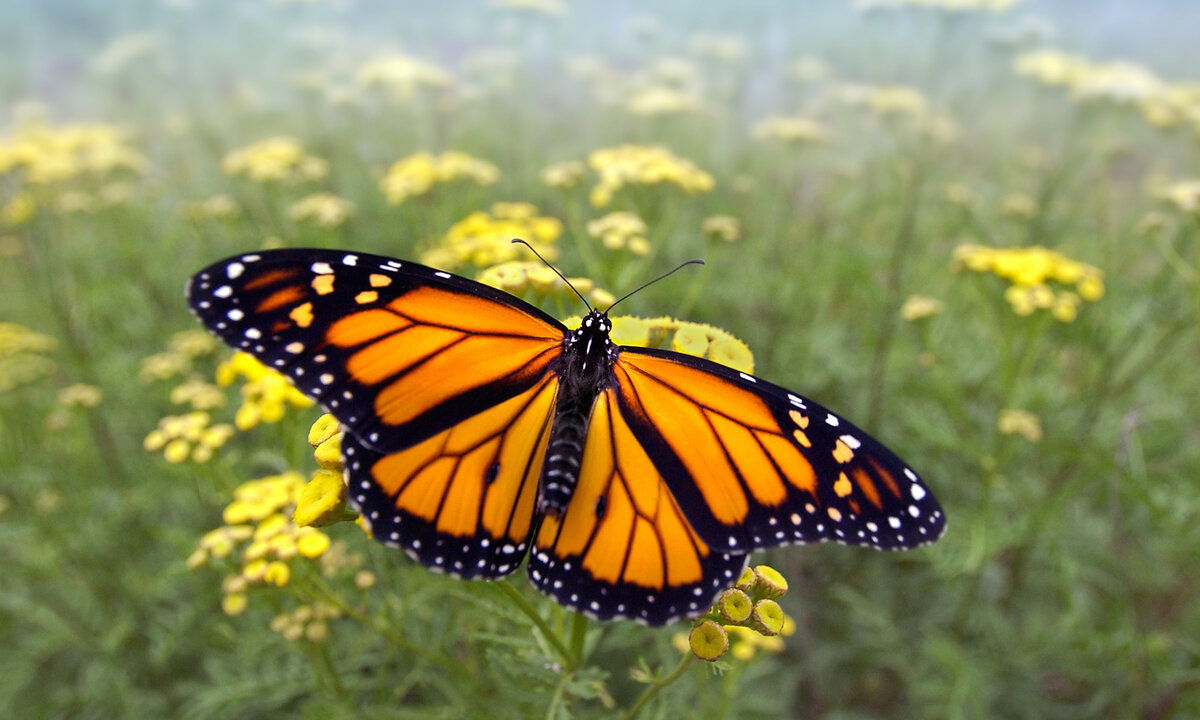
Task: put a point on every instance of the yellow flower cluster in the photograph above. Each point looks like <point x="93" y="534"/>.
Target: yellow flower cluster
<point x="217" y="207"/>
<point x="1162" y="104"/>
<point x="188" y="437"/>
<point x="1020" y="422"/>
<point x="638" y="164"/>
<point x="198" y="394"/>
<point x="748" y="613"/>
<point x="182" y="349"/>
<point x="564" y="175"/>
<point x="23" y="355"/>
<point x="323" y="500"/>
<point x="276" y="159"/>
<point x="258" y="524"/>
<point x="54" y="154"/>
<point x="900" y="101"/>
<point x="621" y="230"/>
<point x="692" y="338"/>
<point x="110" y="195"/>
<point x="656" y="100"/>
<point x="323" y="209"/>
<point x="721" y="227"/>
<point x="307" y="622"/>
<point x="402" y="76"/>
<point x="518" y="277"/>
<point x="483" y="239"/>
<point x="996" y="6"/>
<point x="266" y="395"/>
<point x="1184" y="195"/>
<point x="791" y="129"/>
<point x="1030" y="270"/>
<point x="417" y="174"/>
<point x="80" y="395"/>
<point x="920" y="307"/>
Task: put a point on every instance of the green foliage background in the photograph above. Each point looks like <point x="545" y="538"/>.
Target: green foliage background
<point x="1066" y="585"/>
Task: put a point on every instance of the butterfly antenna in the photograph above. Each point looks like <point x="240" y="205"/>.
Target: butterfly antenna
<point x="682" y="265"/>
<point x="556" y="272"/>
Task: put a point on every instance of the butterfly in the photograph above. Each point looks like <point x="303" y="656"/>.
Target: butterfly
<point x="481" y="430"/>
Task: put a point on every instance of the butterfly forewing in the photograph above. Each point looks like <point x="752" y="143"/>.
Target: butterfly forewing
<point x="623" y="547"/>
<point x="755" y="466"/>
<point x="397" y="351"/>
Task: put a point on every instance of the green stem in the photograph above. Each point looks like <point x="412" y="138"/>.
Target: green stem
<point x="506" y="588"/>
<point x="653" y="689"/>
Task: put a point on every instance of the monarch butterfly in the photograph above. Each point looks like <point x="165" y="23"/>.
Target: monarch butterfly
<point x="479" y="426"/>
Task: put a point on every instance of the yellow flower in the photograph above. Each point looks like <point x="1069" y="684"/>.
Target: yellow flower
<point x="620" y="230"/>
<point x="266" y="393"/>
<point x="80" y="395"/>
<point x="322" y="501"/>
<point x="1019" y="206"/>
<point x="217" y="207"/>
<point x="19" y="210"/>
<point x="920" y="307"/>
<point x="636" y="164"/>
<point x="661" y="100"/>
<point x="55" y="154"/>
<point x="721" y="227"/>
<point x="1020" y="422"/>
<point x="234" y="604"/>
<point x="417" y="174"/>
<point x="276" y="159"/>
<point x="1184" y="195"/>
<point x="708" y="640"/>
<point x="564" y="175"/>
<point x="312" y="544"/>
<point x="1031" y="270"/>
<point x="794" y="130"/>
<point x="402" y="76"/>
<point x="324" y="209"/>
<point x="486" y="239"/>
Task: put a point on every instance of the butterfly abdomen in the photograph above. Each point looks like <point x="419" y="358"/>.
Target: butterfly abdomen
<point x="584" y="370"/>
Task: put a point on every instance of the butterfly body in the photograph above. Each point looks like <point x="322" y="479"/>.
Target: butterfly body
<point x="481" y="431"/>
<point x="584" y="370"/>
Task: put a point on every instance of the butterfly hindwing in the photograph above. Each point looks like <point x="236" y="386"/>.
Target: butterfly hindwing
<point x="461" y="501"/>
<point x="397" y="351"/>
<point x="623" y="547"/>
<point x="756" y="466"/>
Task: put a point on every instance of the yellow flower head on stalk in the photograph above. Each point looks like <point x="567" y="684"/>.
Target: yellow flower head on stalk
<point x="620" y="231"/>
<point x="276" y="159"/>
<point x="793" y="130"/>
<point x="80" y="395"/>
<point x="637" y="164"/>
<point x="657" y="100"/>
<point x="24" y="355"/>
<point x="564" y="175"/>
<point x="726" y="228"/>
<point x="417" y="174"/>
<point x="745" y="619"/>
<point x="920" y="307"/>
<point x="19" y="209"/>
<point x="217" y="207"/>
<point x="322" y="209"/>
<point x="401" y="75"/>
<point x="260" y="538"/>
<point x="485" y="239"/>
<point x="191" y="436"/>
<point x="534" y="277"/>
<point x="198" y="394"/>
<point x="1039" y="278"/>
<point x="49" y="154"/>
<point x="1183" y="195"/>
<point x="266" y="394"/>
<point x="1020" y="422"/>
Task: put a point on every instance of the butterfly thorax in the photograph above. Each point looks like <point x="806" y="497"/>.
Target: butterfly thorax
<point x="584" y="371"/>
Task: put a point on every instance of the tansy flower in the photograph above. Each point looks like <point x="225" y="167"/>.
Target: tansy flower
<point x="266" y="394"/>
<point x="1034" y="273"/>
<point x="187" y="437"/>
<point x="402" y="76"/>
<point x="620" y="230"/>
<point x="276" y="159"/>
<point x="48" y="154"/>
<point x="80" y="395"/>
<point x="417" y="174"/>
<point x="745" y="619"/>
<point x="726" y="228"/>
<point x="323" y="209"/>
<point x="793" y="129"/>
<point x="485" y="239"/>
<point x="1020" y="422"/>
<point x="517" y="277"/>
<point x="920" y="307"/>
<point x="24" y="355"/>
<point x="658" y="100"/>
<point x="636" y="164"/>
<point x="564" y="175"/>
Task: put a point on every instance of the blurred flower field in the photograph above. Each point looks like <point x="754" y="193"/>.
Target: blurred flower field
<point x="972" y="227"/>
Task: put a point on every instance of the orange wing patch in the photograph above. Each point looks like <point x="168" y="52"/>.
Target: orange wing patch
<point x="731" y="444"/>
<point x="478" y="477"/>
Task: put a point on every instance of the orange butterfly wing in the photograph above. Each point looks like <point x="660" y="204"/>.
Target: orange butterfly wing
<point x="753" y="465"/>
<point x="446" y="387"/>
<point x="624" y="548"/>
